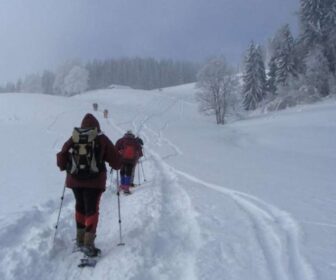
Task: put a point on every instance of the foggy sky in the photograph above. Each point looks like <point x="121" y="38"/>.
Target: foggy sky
<point x="41" y="34"/>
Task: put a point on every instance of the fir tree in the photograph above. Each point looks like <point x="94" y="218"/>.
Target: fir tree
<point x="317" y="72"/>
<point x="318" y="24"/>
<point x="254" y="78"/>
<point x="47" y="82"/>
<point x="285" y="56"/>
<point x="271" y="76"/>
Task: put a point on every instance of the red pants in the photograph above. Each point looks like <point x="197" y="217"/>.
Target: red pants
<point x="87" y="208"/>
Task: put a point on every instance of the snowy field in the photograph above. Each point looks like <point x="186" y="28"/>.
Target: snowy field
<point x="254" y="199"/>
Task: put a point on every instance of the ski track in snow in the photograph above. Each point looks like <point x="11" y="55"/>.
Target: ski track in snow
<point x="276" y="231"/>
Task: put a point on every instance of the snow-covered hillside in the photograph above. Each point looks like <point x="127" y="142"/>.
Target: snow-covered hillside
<point x="254" y="199"/>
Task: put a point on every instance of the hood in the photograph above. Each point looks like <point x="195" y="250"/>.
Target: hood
<point x="90" y="121"/>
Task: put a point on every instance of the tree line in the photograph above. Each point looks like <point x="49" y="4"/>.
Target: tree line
<point x="73" y="77"/>
<point x="288" y="71"/>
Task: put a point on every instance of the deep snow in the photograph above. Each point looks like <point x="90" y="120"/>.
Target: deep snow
<point x="254" y="199"/>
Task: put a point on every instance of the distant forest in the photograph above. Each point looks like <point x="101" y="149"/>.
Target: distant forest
<point x="140" y="73"/>
<point x="73" y="77"/>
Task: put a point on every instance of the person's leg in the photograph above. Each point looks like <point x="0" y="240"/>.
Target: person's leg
<point x="79" y="216"/>
<point x="91" y="201"/>
<point x="127" y="177"/>
<point x="132" y="176"/>
<point x="122" y="174"/>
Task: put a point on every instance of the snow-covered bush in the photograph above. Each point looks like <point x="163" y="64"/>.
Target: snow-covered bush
<point x="294" y="93"/>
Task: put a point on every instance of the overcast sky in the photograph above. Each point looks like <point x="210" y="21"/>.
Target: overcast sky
<point x="41" y="34"/>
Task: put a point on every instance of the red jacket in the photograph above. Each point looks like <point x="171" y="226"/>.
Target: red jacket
<point x="107" y="152"/>
<point x="129" y="139"/>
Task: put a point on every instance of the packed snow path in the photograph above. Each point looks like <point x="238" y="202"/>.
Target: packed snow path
<point x="185" y="221"/>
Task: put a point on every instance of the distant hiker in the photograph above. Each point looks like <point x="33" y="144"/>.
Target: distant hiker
<point x="95" y="106"/>
<point x="130" y="150"/>
<point x="83" y="156"/>
<point x="105" y="113"/>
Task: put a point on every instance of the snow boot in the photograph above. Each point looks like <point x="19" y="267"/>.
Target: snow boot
<point x="90" y="250"/>
<point x="125" y="189"/>
<point x="80" y="237"/>
<point x="126" y="186"/>
<point x="122" y="180"/>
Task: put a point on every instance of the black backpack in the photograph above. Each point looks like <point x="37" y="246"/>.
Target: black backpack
<point x="84" y="159"/>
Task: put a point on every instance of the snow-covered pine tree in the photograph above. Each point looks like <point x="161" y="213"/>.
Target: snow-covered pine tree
<point x="254" y="78"/>
<point x="318" y="24"/>
<point x="18" y="85"/>
<point x="285" y="56"/>
<point x="47" y="82"/>
<point x="317" y="72"/>
<point x="32" y="84"/>
<point x="10" y="87"/>
<point x="311" y="15"/>
<point x="271" y="77"/>
<point x="331" y="23"/>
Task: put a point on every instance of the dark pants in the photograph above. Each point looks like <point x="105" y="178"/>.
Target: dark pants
<point x="87" y="208"/>
<point x="126" y="172"/>
<point x="127" y="169"/>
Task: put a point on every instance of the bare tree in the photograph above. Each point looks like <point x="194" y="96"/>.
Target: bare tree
<point x="217" y="84"/>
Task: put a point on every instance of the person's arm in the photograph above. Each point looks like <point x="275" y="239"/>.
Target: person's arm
<point x="62" y="156"/>
<point x="111" y="155"/>
<point x="119" y="145"/>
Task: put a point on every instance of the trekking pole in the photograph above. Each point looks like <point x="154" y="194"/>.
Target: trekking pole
<point x="143" y="172"/>
<point x="59" y="214"/>
<point x="111" y="180"/>
<point x="119" y="215"/>
<point x="139" y="174"/>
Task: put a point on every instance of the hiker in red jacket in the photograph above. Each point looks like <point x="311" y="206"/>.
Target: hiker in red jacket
<point x="131" y="151"/>
<point x="87" y="182"/>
